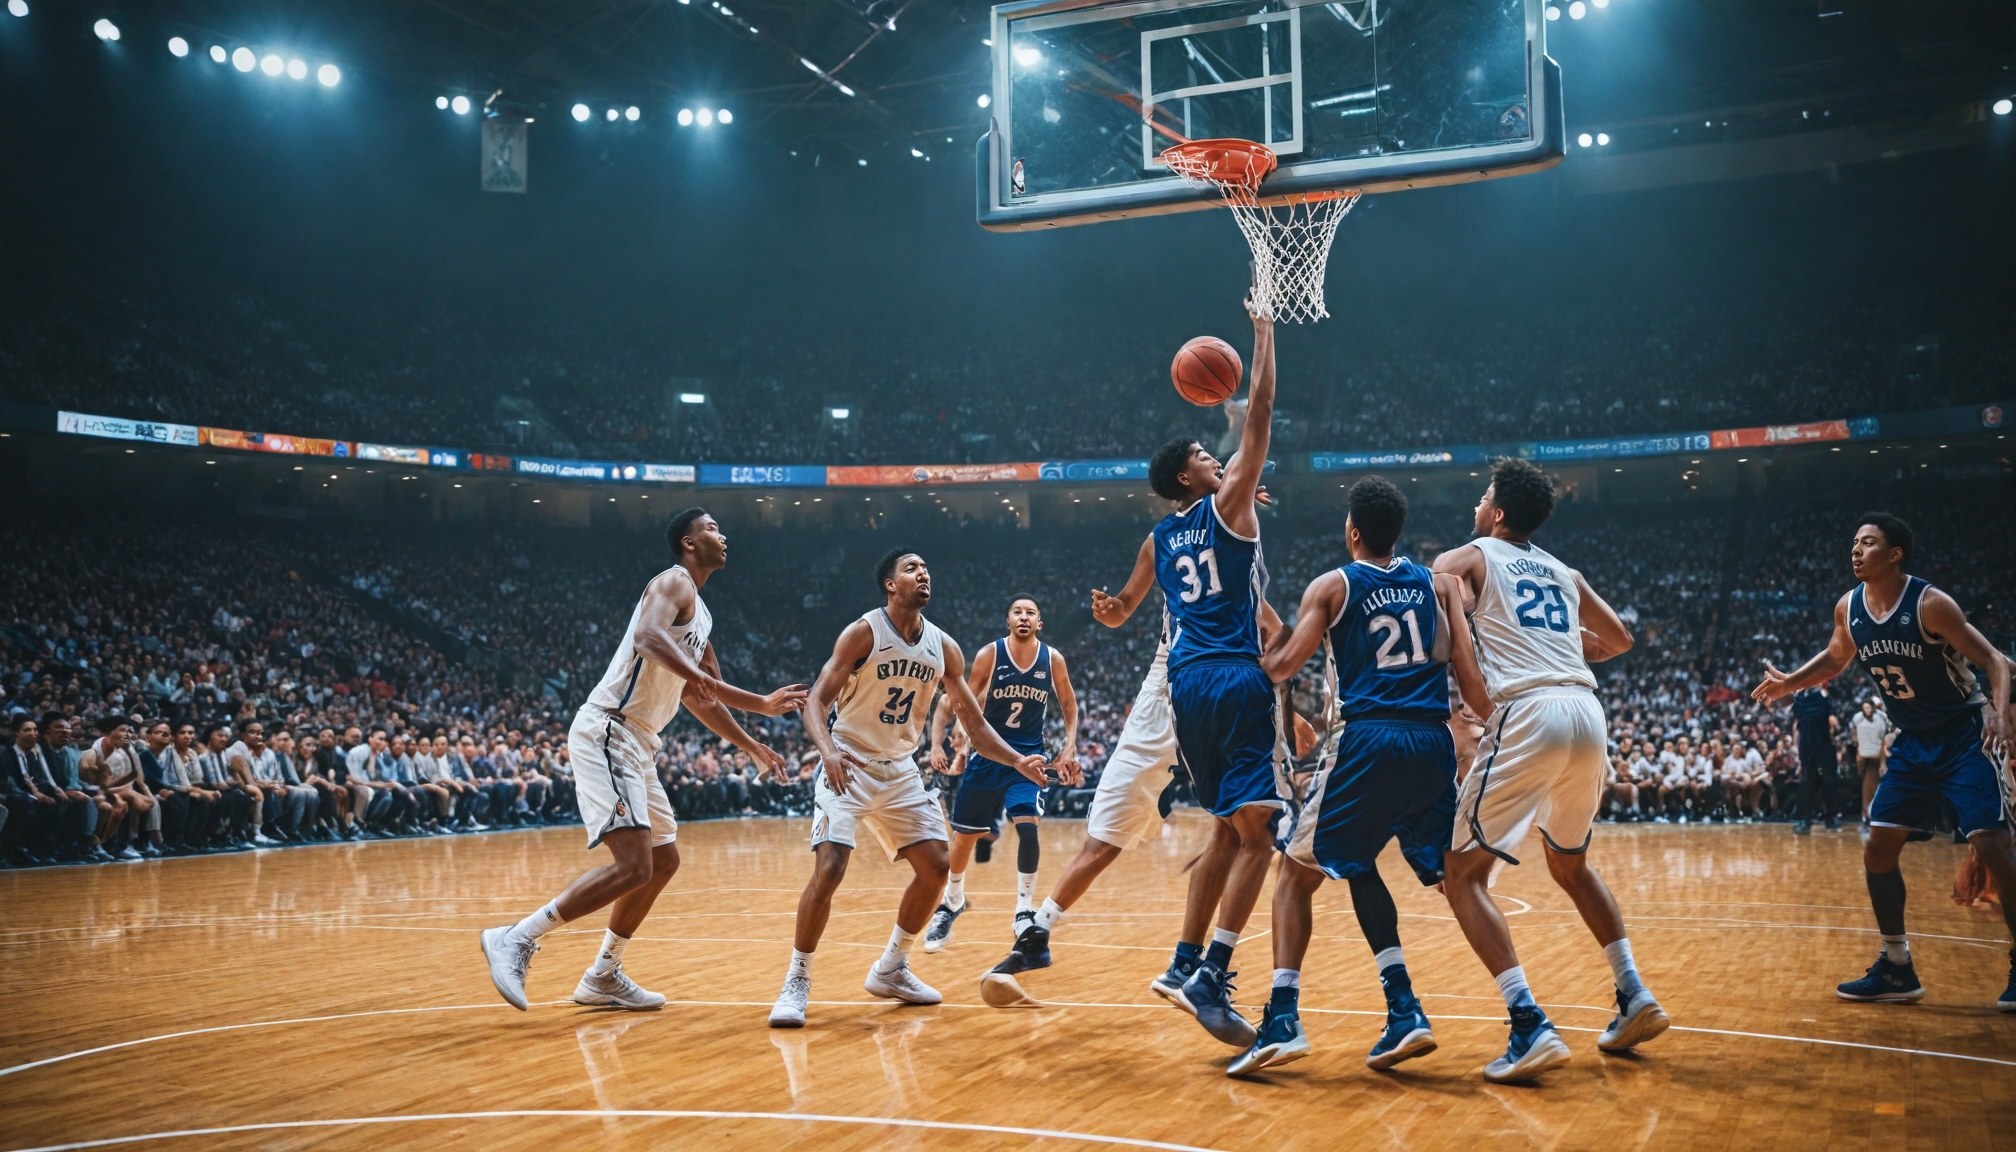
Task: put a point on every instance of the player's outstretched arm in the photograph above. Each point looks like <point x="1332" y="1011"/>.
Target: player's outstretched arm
<point x="1466" y="564"/>
<point x="1613" y="637"/>
<point x="720" y="721"/>
<point x="1838" y="654"/>
<point x="1068" y="768"/>
<point x="986" y="741"/>
<point x="1242" y="475"/>
<point x="855" y="645"/>
<point x="1454" y="644"/>
<point x="1291" y="648"/>
<point x="1940" y="615"/>
<point x="1113" y="611"/>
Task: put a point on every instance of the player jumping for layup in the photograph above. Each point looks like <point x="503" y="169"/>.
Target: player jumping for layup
<point x="1537" y="624"/>
<point x="877" y="686"/>
<point x="1384" y="623"/>
<point x="1915" y="642"/>
<point x="665" y="660"/>
<point x="1015" y="677"/>
<point x="1206" y="560"/>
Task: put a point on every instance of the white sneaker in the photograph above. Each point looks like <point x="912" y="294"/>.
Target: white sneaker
<point x="509" y="958"/>
<point x="263" y="840"/>
<point x="900" y="984"/>
<point x="616" y="990"/>
<point x="1639" y="1018"/>
<point x="789" y="1011"/>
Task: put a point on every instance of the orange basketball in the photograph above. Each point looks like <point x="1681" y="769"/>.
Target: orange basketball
<point x="1206" y="371"/>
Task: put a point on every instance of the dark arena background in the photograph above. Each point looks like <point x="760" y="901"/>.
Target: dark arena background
<point x="353" y="357"/>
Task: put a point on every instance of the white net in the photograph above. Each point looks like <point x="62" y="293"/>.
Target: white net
<point x="1290" y="242"/>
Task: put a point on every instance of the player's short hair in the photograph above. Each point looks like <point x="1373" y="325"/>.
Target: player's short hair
<point x="1167" y="464"/>
<point x="885" y="568"/>
<point x="679" y="524"/>
<point x="1896" y="533"/>
<point x="112" y="723"/>
<point x="1033" y="602"/>
<point x="1523" y="492"/>
<point x="213" y="729"/>
<point x="1378" y="511"/>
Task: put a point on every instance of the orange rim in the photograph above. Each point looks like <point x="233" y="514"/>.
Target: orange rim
<point x="1241" y="162"/>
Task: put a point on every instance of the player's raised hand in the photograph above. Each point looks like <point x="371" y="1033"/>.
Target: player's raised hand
<point x="789" y="698"/>
<point x="1262" y="322"/>
<point x="1069" y="770"/>
<point x="1773" y="688"/>
<point x="839" y="768"/>
<point x="1032" y="766"/>
<point x="1108" y="610"/>
<point x="772" y="762"/>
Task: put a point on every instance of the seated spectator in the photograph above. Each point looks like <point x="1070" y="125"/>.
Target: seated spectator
<point x="110" y="766"/>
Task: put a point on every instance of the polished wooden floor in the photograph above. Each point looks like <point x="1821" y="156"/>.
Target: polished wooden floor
<point x="334" y="997"/>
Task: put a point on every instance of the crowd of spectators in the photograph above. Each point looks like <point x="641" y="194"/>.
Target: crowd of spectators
<point x="987" y="392"/>
<point x="201" y="686"/>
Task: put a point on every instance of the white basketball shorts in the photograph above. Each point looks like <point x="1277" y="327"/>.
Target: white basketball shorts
<point x="1127" y="807"/>
<point x="1541" y="762"/>
<point x="889" y="799"/>
<point x="615" y="782"/>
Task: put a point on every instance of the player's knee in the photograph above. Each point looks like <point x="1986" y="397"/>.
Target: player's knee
<point x="664" y="860"/>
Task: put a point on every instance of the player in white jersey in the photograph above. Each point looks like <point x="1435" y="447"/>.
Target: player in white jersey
<point x="665" y="660"/>
<point x="1536" y="624"/>
<point x="866" y="717"/>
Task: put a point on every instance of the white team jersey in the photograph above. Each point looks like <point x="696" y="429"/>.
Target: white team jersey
<point x="1527" y="622"/>
<point x="881" y="711"/>
<point x="645" y="693"/>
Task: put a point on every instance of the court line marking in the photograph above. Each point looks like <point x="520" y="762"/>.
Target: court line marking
<point x="628" y="1113"/>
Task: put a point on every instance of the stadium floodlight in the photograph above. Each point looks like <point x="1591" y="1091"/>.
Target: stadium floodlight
<point x="581" y="112"/>
<point x="1577" y="10"/>
<point x="460" y="105"/>
<point x="1028" y="55"/>
<point x="243" y="60"/>
<point x="105" y="30"/>
<point x="297" y="69"/>
<point x="1585" y="140"/>
<point x="844" y="90"/>
<point x="177" y="46"/>
<point x="441" y="102"/>
<point x="705" y="116"/>
<point x="17" y="7"/>
<point x="841" y="413"/>
<point x="613" y="114"/>
<point x="631" y="113"/>
<point x="1553" y="12"/>
<point x="692" y="397"/>
<point x="863" y="161"/>
<point x="918" y="153"/>
<point x="724" y="116"/>
<point x="685" y="117"/>
<point x="272" y="65"/>
<point x="218" y="54"/>
<point x="1602" y="139"/>
<point x="2003" y="106"/>
<point x="984" y="100"/>
<point x="329" y="75"/>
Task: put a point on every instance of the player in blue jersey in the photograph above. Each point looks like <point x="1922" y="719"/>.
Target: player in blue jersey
<point x="1916" y="644"/>
<point x="1016" y="678"/>
<point x="1384" y="623"/>
<point x="1205" y="558"/>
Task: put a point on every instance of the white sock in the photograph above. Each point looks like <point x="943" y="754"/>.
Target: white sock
<point x="801" y="965"/>
<point x="1512" y="986"/>
<point x="610" y="957"/>
<point x="1387" y="957"/>
<point x="1225" y="936"/>
<point x="538" y="923"/>
<point x="898" y="951"/>
<point x="1025" y="891"/>
<point x="1287" y="978"/>
<point x="955" y="891"/>
<point x="1623" y="969"/>
<point x="1896" y="949"/>
<point x="1046" y="916"/>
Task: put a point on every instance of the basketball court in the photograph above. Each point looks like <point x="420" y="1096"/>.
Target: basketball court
<point x="334" y="997"/>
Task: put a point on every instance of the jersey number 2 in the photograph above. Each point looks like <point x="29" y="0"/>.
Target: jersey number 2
<point x="897" y="710"/>
<point x="1193" y="588"/>
<point x="1541" y="606"/>
<point x="1388" y="627"/>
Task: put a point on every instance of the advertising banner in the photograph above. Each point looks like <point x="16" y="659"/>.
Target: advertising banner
<point x="668" y="473"/>
<point x="489" y="462"/>
<point x="119" y="428"/>
<point x="570" y="469"/>
<point x="767" y="475"/>
<point x="1398" y="458"/>
<point x="504" y="165"/>
<point x="272" y="442"/>
<point x="1779" y="434"/>
<point x="888" y="475"/>
<point x="392" y="453"/>
<point x="1615" y="447"/>
<point x="1094" y="470"/>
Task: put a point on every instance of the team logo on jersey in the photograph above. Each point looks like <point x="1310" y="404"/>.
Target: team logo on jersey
<point x="1042" y="675"/>
<point x="1904" y="619"/>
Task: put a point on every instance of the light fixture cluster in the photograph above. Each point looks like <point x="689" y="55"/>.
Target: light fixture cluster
<point x="1575" y="10"/>
<point x="1596" y="140"/>
<point x="245" y="59"/>
<point x="704" y="117"/>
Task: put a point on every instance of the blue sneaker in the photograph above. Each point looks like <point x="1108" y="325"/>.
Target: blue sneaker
<point x="1884" y="983"/>
<point x="1169" y="985"/>
<point x="1208" y="995"/>
<point x="1534" y="1048"/>
<point x="1639" y="1018"/>
<point x="939" y="933"/>
<point x="1280" y="1041"/>
<point x="1407" y="1033"/>
<point x="999" y="987"/>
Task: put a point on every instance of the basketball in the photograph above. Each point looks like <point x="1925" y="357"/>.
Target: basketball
<point x="1206" y="371"/>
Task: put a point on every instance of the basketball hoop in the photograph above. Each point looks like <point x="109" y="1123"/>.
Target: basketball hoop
<point x="1290" y="235"/>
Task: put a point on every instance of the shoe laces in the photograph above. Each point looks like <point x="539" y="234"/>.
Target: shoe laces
<point x="797" y="988"/>
<point x="521" y="956"/>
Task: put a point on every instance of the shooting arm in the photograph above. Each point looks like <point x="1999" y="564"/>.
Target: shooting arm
<point x="1242" y="476"/>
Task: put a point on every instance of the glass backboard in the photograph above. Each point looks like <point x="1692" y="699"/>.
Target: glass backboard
<point x="1378" y="95"/>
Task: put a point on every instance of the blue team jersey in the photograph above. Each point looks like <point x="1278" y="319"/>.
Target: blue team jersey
<point x="1212" y="580"/>
<point x="1926" y="684"/>
<point x="1381" y="646"/>
<point x="1017" y="701"/>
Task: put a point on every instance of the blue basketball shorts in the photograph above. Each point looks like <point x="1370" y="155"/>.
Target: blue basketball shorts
<point x="985" y="789"/>
<point x="1225" y="733"/>
<point x="1392" y="779"/>
<point x="1942" y="764"/>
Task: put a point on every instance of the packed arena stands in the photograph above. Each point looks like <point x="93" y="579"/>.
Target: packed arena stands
<point x="982" y="394"/>
<point x="413" y="681"/>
